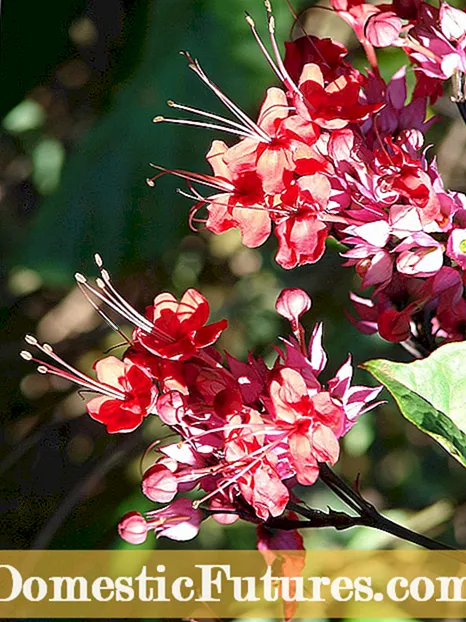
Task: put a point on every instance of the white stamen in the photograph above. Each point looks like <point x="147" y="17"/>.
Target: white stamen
<point x="263" y="49"/>
<point x="198" y="178"/>
<point x="288" y="80"/>
<point x="209" y="115"/>
<point x="76" y="376"/>
<point x="27" y="356"/>
<point x="242" y="116"/>
<point x="103" y="315"/>
<point x="212" y="126"/>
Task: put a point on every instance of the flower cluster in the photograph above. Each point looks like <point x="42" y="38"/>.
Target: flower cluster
<point x="337" y="152"/>
<point x="247" y="434"/>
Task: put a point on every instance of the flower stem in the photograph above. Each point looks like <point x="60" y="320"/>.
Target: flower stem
<point x="372" y="517"/>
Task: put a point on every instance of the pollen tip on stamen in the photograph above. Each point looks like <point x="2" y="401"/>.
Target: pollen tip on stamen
<point x="197" y="503"/>
<point x="105" y="275"/>
<point x="31" y="340"/>
<point x="100" y="283"/>
<point x="158" y="119"/>
<point x="150" y="182"/>
<point x="250" y="21"/>
<point x="42" y="369"/>
<point x="47" y="348"/>
<point x="98" y="260"/>
<point x="268" y="5"/>
<point x="27" y="356"/>
<point x="171" y="103"/>
<point x="272" y="24"/>
<point x="80" y="278"/>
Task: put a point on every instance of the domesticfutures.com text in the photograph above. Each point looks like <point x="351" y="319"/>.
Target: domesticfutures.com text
<point x="209" y="582"/>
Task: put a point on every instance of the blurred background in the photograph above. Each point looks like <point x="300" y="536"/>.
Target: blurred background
<point x="82" y="81"/>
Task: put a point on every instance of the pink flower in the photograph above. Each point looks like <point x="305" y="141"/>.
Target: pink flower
<point x="126" y="392"/>
<point x="242" y="204"/>
<point x="177" y="521"/>
<point x="420" y="255"/>
<point x="310" y="423"/>
<point x="273" y="156"/>
<point x="300" y="228"/>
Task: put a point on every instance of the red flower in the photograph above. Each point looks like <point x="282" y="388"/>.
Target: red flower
<point x="333" y="106"/>
<point x="326" y="53"/>
<point x="137" y="395"/>
<point x="178" y="330"/>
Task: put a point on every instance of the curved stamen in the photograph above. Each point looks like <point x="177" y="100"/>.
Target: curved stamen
<point x="208" y="126"/>
<point x="103" y="315"/>
<point x="74" y="375"/>
<point x="209" y="115"/>
<point x="288" y="81"/>
<point x="132" y="316"/>
<point x="257" y="131"/>
<point x="199" y="178"/>
<point x="263" y="49"/>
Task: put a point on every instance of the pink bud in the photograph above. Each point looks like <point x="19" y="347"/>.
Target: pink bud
<point x="133" y="528"/>
<point x="383" y="28"/>
<point x="159" y="484"/>
<point x="291" y="304"/>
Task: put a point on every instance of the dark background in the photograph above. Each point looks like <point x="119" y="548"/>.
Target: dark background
<point x="81" y="82"/>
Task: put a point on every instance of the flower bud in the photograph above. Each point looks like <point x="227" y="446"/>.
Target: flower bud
<point x="133" y="528"/>
<point x="159" y="484"/>
<point x="292" y="303"/>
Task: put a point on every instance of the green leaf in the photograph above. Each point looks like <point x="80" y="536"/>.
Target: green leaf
<point x="431" y="393"/>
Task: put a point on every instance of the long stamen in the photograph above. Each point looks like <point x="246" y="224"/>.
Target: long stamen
<point x="271" y="24"/>
<point x="108" y="286"/>
<point x="115" y="300"/>
<point x="75" y="376"/>
<point x="257" y="131"/>
<point x="263" y="49"/>
<point x="113" y="304"/>
<point x="208" y="126"/>
<point x="209" y="115"/>
<point x="103" y="315"/>
<point x="198" y="178"/>
<point x="194" y="197"/>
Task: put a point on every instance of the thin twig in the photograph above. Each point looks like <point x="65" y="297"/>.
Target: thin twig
<point x="375" y="519"/>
